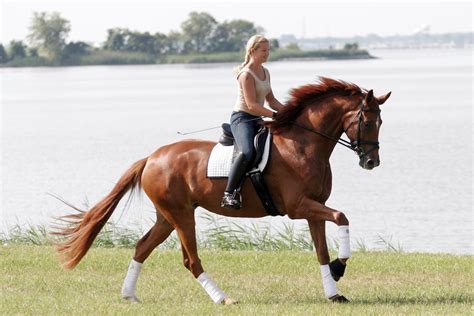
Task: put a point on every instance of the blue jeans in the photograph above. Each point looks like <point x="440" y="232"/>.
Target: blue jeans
<point x="244" y="126"/>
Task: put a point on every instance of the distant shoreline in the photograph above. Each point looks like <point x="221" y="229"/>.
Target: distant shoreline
<point x="325" y="58"/>
<point x="103" y="57"/>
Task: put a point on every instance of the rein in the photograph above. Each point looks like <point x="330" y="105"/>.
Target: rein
<point x="355" y="146"/>
<point x="340" y="141"/>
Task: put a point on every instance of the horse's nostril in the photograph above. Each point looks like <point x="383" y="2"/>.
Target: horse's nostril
<point x="370" y="163"/>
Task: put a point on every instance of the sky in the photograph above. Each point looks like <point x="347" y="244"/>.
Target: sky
<point x="90" y="19"/>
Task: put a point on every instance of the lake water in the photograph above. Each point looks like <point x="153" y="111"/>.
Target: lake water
<point x="74" y="131"/>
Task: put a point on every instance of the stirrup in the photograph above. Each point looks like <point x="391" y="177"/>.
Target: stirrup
<point x="232" y="200"/>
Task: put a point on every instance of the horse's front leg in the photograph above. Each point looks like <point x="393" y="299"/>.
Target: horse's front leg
<point x="316" y="214"/>
<point x="318" y="233"/>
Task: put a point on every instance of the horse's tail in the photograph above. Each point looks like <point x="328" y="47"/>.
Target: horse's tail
<point x="84" y="227"/>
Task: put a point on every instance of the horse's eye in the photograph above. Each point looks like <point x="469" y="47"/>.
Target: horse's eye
<point x="368" y="125"/>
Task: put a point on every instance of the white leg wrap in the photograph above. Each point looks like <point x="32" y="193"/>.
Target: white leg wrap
<point x="130" y="281"/>
<point x="216" y="294"/>
<point x="329" y="284"/>
<point x="344" y="242"/>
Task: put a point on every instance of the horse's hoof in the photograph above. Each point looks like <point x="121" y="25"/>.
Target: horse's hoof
<point x="229" y="301"/>
<point x="339" y="299"/>
<point x="132" y="299"/>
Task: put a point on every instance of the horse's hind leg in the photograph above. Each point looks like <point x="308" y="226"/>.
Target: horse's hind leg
<point x="187" y="234"/>
<point x="155" y="236"/>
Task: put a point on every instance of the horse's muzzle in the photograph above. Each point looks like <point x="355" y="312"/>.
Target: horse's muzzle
<point x="369" y="163"/>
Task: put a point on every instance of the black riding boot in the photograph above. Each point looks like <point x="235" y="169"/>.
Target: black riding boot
<point x="232" y="198"/>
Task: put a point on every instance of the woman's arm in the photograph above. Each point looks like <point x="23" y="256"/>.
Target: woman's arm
<point x="248" y="86"/>
<point x="273" y="102"/>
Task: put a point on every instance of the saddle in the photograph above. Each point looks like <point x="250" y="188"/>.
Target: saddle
<point x="260" y="139"/>
<point x="227" y="139"/>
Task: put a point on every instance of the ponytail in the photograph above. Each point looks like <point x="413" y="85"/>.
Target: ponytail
<point x="242" y="65"/>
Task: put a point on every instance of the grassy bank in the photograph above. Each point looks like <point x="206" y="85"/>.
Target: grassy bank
<point x="279" y="282"/>
<point x="277" y="55"/>
<point x="104" y="57"/>
<point x="219" y="233"/>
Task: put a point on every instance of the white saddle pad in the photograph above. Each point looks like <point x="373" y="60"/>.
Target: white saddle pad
<point x="220" y="160"/>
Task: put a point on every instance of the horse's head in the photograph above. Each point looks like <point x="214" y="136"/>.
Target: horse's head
<point x="360" y="116"/>
<point x="362" y="126"/>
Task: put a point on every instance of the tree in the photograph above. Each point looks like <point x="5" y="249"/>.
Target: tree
<point x="16" y="49"/>
<point x="76" y="48"/>
<point x="48" y="33"/>
<point x="232" y="36"/>
<point x="293" y="46"/>
<point x="126" y="40"/>
<point x="220" y="39"/>
<point x="160" y="43"/>
<point x="239" y="33"/>
<point x="115" y="39"/>
<point x="197" y="31"/>
<point x="274" y="44"/>
<point x="174" y="43"/>
<point x="3" y="55"/>
<point x="140" y="42"/>
<point x="32" y="52"/>
<point x="353" y="46"/>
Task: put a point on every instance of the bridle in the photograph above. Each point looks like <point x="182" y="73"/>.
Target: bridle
<point x="355" y="146"/>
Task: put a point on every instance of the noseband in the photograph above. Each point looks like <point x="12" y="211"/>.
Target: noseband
<point x="355" y="146"/>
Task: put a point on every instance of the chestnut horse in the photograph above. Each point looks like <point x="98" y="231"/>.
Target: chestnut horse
<point x="298" y="177"/>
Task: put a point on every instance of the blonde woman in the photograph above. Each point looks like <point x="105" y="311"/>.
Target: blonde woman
<point x="254" y="89"/>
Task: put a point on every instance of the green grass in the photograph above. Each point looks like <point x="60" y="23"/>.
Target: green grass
<point x="278" y="282"/>
<point x="106" y="57"/>
<point x="276" y="55"/>
<point x="30" y="62"/>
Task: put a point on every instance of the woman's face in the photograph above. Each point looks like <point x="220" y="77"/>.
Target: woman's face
<point x="261" y="53"/>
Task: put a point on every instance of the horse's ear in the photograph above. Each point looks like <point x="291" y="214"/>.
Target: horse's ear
<point x="382" y="99"/>
<point x="369" y="97"/>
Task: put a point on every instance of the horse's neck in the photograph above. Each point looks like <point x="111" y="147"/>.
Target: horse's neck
<point x="327" y="120"/>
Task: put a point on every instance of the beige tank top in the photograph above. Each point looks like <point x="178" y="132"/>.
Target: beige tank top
<point x="262" y="88"/>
